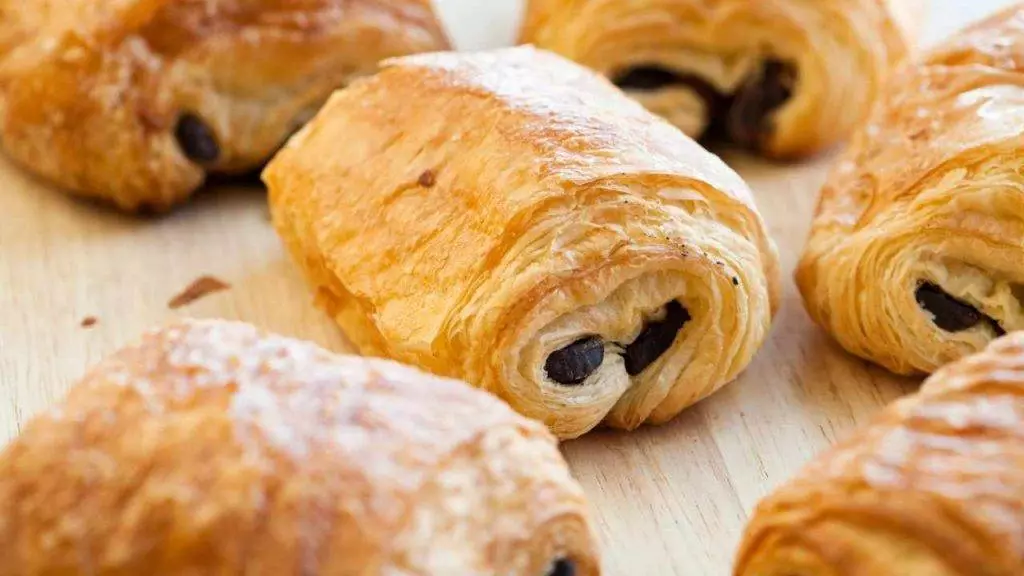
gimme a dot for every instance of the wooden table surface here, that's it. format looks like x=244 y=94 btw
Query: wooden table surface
x=668 y=500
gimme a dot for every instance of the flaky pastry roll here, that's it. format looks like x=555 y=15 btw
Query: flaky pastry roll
x=934 y=486
x=916 y=255
x=512 y=219
x=785 y=78
x=137 y=101
x=210 y=448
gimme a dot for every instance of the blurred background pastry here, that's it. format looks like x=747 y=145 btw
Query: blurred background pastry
x=784 y=78
x=212 y=448
x=135 y=102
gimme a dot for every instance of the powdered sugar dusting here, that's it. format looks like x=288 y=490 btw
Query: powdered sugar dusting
x=215 y=435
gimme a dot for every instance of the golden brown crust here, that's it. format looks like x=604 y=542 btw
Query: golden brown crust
x=934 y=486
x=555 y=208
x=842 y=50
x=91 y=91
x=930 y=192
x=210 y=448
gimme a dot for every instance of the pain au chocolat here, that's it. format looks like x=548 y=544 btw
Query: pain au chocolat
x=784 y=78
x=934 y=486
x=916 y=254
x=135 y=102
x=512 y=219
x=213 y=448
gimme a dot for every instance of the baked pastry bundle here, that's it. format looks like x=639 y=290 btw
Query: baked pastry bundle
x=512 y=219
x=916 y=255
x=136 y=101
x=934 y=486
x=211 y=448
x=785 y=78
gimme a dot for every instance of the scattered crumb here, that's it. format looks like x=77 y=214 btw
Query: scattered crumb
x=202 y=286
x=735 y=281
x=427 y=179
x=89 y=321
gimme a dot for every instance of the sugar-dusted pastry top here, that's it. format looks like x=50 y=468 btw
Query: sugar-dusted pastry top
x=136 y=101
x=783 y=77
x=914 y=258
x=933 y=486
x=212 y=448
x=512 y=219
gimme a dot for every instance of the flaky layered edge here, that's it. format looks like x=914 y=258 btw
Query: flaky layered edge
x=838 y=55
x=956 y=230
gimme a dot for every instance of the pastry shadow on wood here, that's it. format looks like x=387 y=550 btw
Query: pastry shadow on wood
x=33 y=193
x=25 y=193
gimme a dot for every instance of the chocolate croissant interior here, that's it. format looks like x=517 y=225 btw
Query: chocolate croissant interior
x=950 y=313
x=655 y=339
x=196 y=139
x=562 y=567
x=743 y=117
x=574 y=363
x=198 y=142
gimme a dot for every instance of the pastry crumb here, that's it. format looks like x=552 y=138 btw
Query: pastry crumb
x=427 y=179
x=89 y=321
x=199 y=288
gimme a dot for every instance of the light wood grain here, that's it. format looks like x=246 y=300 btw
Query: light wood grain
x=668 y=500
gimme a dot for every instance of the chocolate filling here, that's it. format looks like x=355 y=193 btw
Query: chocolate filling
x=743 y=117
x=949 y=313
x=576 y=362
x=655 y=339
x=562 y=567
x=196 y=139
x=748 y=123
x=651 y=78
